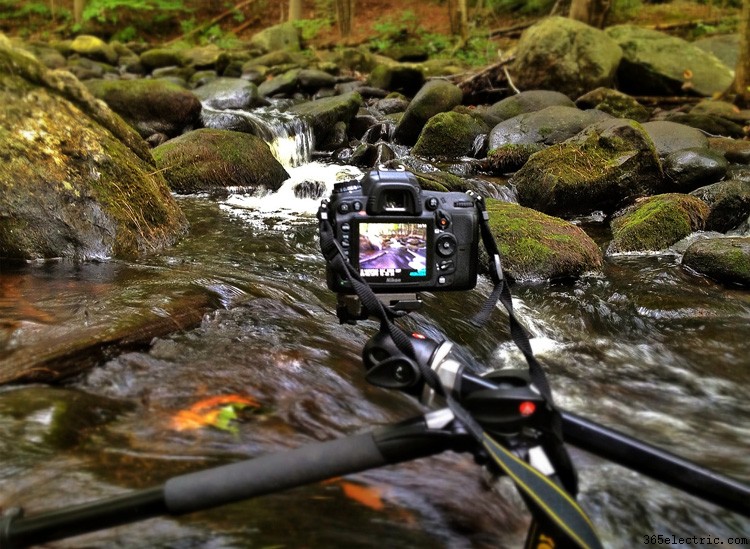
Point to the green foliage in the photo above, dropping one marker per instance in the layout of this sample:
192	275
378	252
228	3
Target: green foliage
105	11
309	28
11	10
126	34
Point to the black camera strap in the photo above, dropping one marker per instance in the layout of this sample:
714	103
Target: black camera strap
558	520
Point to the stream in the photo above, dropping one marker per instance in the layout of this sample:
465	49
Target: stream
644	347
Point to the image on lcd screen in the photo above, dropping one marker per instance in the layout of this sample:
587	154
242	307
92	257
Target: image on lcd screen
390	251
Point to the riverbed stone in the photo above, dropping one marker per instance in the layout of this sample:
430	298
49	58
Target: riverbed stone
229	93
323	114
657	222
509	158
449	135
544	127
711	124
726	260
614	102
150	106
669	137
734	150
73	184
526	102
397	77
729	203
608	163
534	246
93	48
156	58
562	54
281	84
284	36
655	63
434	97
208	160
687	169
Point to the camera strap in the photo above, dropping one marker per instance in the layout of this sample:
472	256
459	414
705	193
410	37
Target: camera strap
558	521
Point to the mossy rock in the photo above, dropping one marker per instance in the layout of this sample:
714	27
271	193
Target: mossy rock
616	103
70	187
729	202
206	160
526	102
150	106
403	78
323	114
509	158
657	222
535	246
605	165
94	48
449	135
157	58
434	97
724	259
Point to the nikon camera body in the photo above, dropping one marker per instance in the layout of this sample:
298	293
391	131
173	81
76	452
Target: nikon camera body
401	238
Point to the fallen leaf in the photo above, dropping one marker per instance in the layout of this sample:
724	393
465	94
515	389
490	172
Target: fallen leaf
369	496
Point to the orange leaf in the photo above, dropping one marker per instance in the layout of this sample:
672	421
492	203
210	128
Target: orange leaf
369	496
206	412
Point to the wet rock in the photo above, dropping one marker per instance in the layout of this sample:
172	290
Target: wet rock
150	106
565	55
390	105
86	69
323	114
688	169
657	222
711	124
402	78
545	127
157	58
726	260
605	165
655	63
229	93
205	160
726	47
355	59
93	48
283	84
535	246
209	57
449	135
311	80
614	102
434	97
729	203
669	137
723	109
310	189
526	102
75	181
733	150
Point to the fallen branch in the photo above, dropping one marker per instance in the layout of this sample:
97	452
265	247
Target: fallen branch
515	29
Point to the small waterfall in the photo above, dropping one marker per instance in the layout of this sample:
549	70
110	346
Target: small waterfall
290	138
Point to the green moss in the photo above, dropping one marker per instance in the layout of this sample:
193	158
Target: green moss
657	223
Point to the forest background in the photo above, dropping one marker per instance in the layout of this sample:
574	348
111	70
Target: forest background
478	32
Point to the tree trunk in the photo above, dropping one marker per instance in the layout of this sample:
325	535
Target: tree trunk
345	16
78	6
591	12
741	85
295	10
463	20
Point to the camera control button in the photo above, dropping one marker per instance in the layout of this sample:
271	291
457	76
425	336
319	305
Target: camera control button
446	245
446	266
345	241
357	206
344	208
345	227
442	280
443	221
432	203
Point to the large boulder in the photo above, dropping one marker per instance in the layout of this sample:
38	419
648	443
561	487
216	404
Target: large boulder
724	259
608	163
562	54
73	184
324	114
526	102
150	106
729	202
450	135
657	222
435	97
655	63
544	127
283	36
397	77
208	160
535	246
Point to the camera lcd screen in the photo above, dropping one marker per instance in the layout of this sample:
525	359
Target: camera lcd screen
393	252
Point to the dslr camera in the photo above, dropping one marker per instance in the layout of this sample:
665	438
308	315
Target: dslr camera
403	239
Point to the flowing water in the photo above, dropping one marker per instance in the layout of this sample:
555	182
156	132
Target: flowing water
644	347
